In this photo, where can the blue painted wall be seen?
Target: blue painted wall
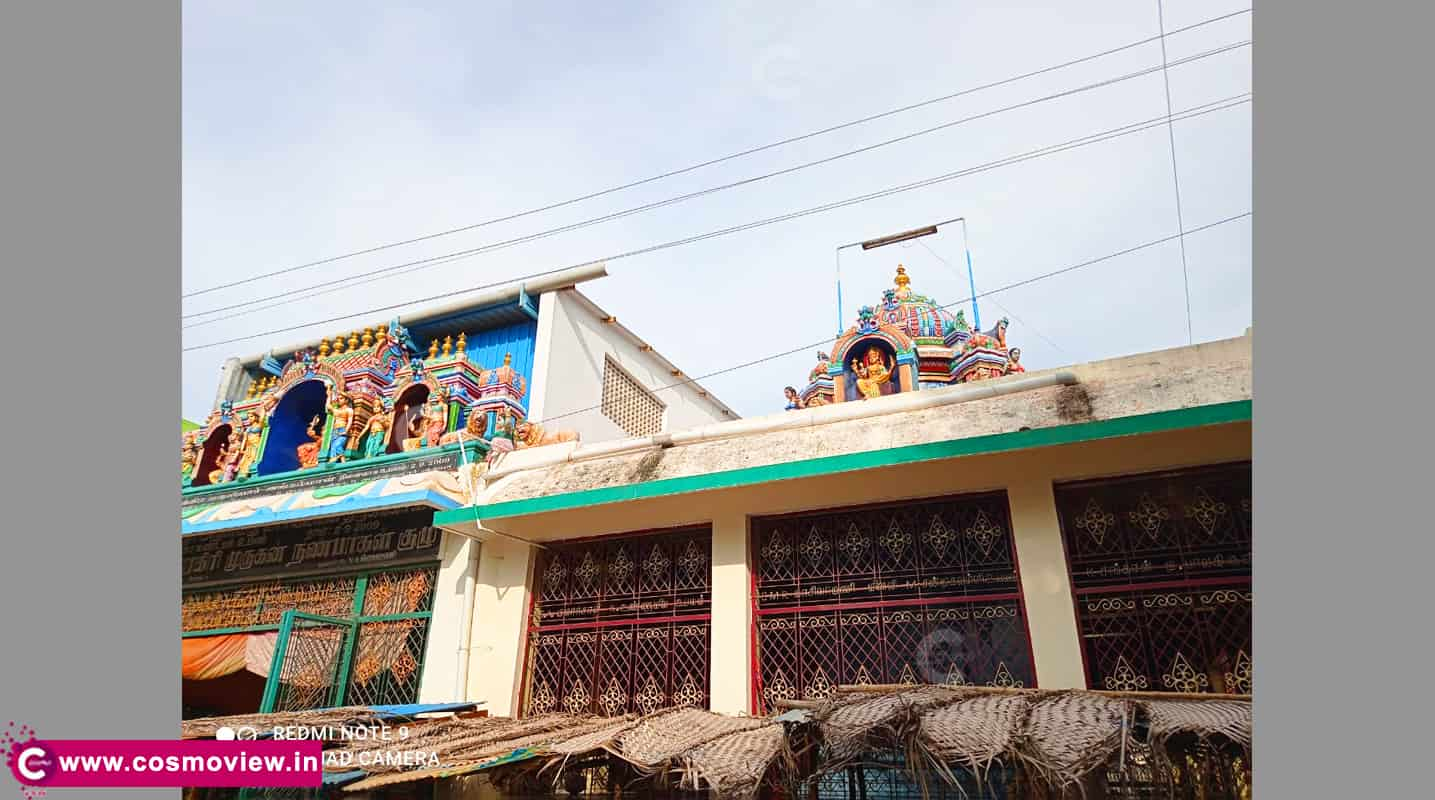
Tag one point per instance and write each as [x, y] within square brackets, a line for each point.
[486, 349]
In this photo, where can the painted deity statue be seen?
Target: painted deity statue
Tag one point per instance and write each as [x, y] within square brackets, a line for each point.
[232, 457]
[873, 370]
[1013, 363]
[414, 436]
[309, 451]
[793, 402]
[435, 420]
[253, 433]
[376, 438]
[502, 439]
[343, 412]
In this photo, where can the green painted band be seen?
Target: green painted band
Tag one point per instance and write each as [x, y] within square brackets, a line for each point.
[1157, 422]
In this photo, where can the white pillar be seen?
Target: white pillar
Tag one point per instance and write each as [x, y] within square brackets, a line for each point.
[1045, 585]
[452, 592]
[500, 612]
[730, 654]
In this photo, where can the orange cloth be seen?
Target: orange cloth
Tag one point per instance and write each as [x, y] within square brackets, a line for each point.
[206, 657]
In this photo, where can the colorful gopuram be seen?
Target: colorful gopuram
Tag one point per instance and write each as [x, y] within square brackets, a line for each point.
[357, 396]
[906, 343]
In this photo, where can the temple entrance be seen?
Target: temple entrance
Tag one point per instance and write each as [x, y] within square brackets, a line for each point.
[289, 426]
[209, 459]
[409, 405]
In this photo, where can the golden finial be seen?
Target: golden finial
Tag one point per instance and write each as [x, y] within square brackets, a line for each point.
[323, 347]
[368, 340]
[507, 359]
[903, 282]
[462, 345]
[448, 346]
[253, 388]
[354, 340]
[338, 344]
[433, 348]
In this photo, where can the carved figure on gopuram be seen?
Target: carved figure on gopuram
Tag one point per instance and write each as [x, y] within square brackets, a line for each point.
[189, 451]
[376, 438]
[343, 412]
[232, 456]
[435, 419]
[253, 435]
[502, 440]
[309, 451]
[873, 370]
[908, 342]
[531, 434]
[473, 428]
[794, 403]
[1013, 361]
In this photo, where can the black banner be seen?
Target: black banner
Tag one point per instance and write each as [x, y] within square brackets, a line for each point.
[378, 539]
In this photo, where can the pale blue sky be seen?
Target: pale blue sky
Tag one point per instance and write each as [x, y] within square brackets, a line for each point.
[316, 128]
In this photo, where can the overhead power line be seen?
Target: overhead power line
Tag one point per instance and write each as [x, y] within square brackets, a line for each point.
[979, 295]
[719, 160]
[359, 279]
[1175, 176]
[1125, 130]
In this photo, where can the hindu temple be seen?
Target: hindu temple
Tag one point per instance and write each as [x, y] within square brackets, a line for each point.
[906, 343]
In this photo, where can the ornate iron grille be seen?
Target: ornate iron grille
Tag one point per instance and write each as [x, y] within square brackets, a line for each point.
[1160, 566]
[619, 670]
[264, 603]
[917, 592]
[372, 654]
[625, 578]
[309, 674]
[1194, 640]
[620, 625]
[387, 660]
[1173, 526]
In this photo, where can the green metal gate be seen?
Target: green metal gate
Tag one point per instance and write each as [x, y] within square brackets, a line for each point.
[311, 663]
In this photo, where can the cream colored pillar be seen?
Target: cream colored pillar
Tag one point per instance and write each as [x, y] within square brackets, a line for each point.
[1045, 585]
[730, 654]
[499, 613]
[451, 597]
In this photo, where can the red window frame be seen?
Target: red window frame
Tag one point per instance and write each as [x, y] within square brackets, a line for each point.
[1159, 565]
[916, 591]
[613, 628]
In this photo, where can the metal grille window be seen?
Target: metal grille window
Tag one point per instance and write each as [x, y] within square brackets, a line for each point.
[369, 653]
[1161, 566]
[917, 592]
[620, 625]
[628, 403]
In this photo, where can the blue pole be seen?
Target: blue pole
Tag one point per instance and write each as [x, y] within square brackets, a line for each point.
[971, 280]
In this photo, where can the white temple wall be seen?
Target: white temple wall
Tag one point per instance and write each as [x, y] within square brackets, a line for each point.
[573, 342]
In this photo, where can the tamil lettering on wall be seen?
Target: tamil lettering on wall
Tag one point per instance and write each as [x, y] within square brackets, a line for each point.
[359, 540]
